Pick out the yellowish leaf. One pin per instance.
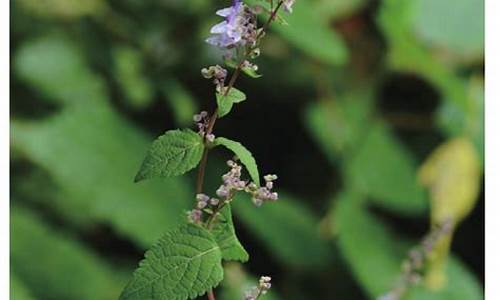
(452, 174)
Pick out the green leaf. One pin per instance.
(386, 172)
(53, 265)
(172, 154)
(244, 156)
(339, 125)
(226, 238)
(337, 9)
(375, 254)
(312, 35)
(367, 245)
(247, 70)
(287, 229)
(251, 72)
(460, 32)
(184, 264)
(55, 65)
(181, 101)
(128, 70)
(18, 290)
(225, 103)
(461, 111)
(103, 154)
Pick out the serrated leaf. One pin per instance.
(287, 229)
(54, 265)
(184, 264)
(244, 156)
(226, 238)
(225, 103)
(172, 154)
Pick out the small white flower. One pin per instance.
(288, 5)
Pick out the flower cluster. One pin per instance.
(202, 202)
(238, 29)
(231, 181)
(261, 289)
(216, 72)
(265, 193)
(202, 122)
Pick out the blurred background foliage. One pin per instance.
(356, 97)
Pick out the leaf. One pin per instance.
(368, 247)
(128, 71)
(460, 32)
(247, 70)
(53, 265)
(386, 172)
(456, 121)
(313, 35)
(251, 72)
(225, 103)
(461, 112)
(339, 125)
(453, 175)
(243, 155)
(18, 290)
(172, 154)
(55, 65)
(184, 264)
(337, 9)
(104, 154)
(287, 229)
(375, 254)
(226, 238)
(181, 101)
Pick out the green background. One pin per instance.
(354, 96)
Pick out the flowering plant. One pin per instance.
(187, 262)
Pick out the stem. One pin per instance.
(213, 118)
(211, 295)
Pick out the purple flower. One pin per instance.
(235, 29)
